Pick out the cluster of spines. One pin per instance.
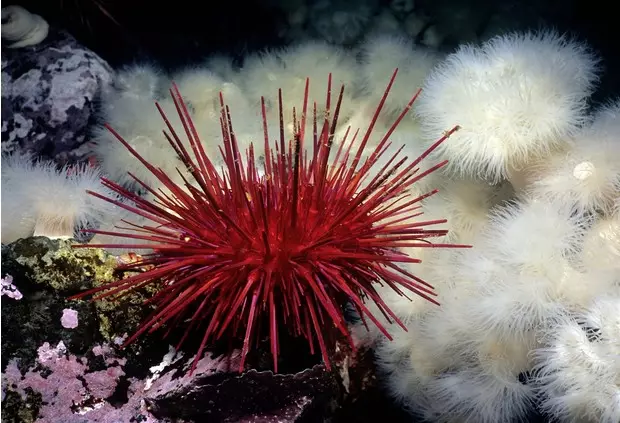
(292, 245)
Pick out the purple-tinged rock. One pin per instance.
(216, 391)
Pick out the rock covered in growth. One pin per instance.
(55, 373)
(102, 386)
(66, 388)
(46, 272)
(49, 92)
(56, 265)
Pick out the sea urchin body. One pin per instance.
(248, 253)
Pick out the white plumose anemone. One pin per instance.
(515, 97)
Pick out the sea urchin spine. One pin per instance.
(238, 251)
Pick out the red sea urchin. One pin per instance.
(237, 251)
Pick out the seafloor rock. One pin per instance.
(53, 373)
(56, 265)
(308, 396)
(47, 272)
(49, 93)
(314, 394)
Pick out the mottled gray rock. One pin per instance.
(49, 93)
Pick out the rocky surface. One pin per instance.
(49, 96)
(55, 372)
